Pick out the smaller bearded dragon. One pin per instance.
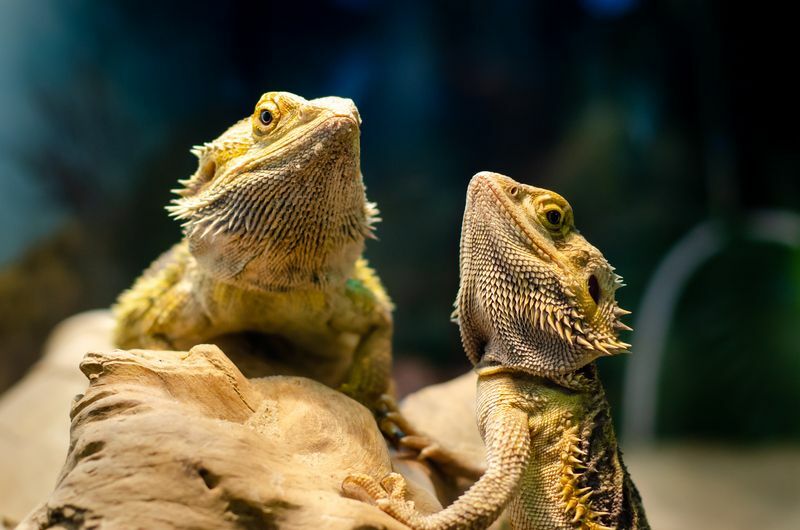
(536, 307)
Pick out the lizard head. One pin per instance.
(534, 295)
(278, 200)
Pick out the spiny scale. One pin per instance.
(270, 216)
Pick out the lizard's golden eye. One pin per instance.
(265, 118)
(553, 214)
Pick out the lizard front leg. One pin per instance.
(369, 380)
(369, 377)
(507, 437)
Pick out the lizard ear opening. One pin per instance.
(594, 288)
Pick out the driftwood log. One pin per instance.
(34, 414)
(184, 440)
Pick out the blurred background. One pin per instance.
(671, 127)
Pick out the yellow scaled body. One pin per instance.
(270, 268)
(535, 307)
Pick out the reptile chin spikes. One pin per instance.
(279, 204)
(575, 331)
(274, 222)
(535, 306)
(530, 278)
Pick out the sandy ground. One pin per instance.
(705, 486)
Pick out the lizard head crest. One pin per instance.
(278, 200)
(534, 294)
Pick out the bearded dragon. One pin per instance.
(536, 307)
(274, 220)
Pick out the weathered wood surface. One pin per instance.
(34, 413)
(184, 440)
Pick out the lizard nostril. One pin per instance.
(594, 288)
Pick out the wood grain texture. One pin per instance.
(183, 440)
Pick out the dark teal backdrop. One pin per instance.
(650, 117)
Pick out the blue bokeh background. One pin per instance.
(652, 118)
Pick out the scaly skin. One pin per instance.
(536, 306)
(275, 219)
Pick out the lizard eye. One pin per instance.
(265, 118)
(553, 218)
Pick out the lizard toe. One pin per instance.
(363, 488)
(395, 485)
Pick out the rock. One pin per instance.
(184, 440)
(455, 422)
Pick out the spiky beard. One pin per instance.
(274, 232)
(511, 291)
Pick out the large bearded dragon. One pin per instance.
(275, 219)
(535, 306)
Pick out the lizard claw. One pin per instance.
(391, 420)
(450, 461)
(388, 402)
(424, 446)
(390, 430)
(395, 425)
(389, 494)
